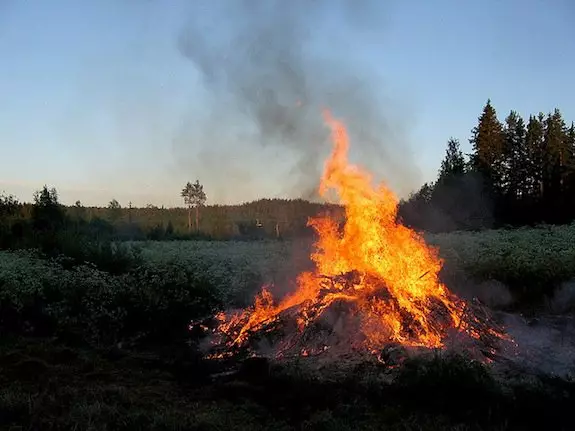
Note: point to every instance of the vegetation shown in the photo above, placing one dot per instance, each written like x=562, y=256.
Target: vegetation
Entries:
x=519, y=173
x=266, y=218
x=194, y=197
x=86, y=348
x=95, y=303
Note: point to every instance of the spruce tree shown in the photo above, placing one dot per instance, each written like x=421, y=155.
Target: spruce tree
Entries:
x=569, y=190
x=488, y=146
x=554, y=160
x=516, y=156
x=534, y=146
x=446, y=193
x=453, y=164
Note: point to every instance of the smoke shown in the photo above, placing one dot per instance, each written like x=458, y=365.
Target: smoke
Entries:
x=268, y=68
x=544, y=344
x=440, y=210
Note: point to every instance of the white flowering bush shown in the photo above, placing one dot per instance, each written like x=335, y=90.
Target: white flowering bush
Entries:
x=40, y=294
x=43, y=297
x=529, y=261
x=173, y=282
x=237, y=269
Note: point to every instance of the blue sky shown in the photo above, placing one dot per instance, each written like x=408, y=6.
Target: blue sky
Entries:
x=93, y=94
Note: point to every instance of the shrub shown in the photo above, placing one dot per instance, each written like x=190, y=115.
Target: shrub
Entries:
x=104, y=254
x=45, y=297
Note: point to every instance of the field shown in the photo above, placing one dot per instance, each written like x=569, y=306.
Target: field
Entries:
x=86, y=348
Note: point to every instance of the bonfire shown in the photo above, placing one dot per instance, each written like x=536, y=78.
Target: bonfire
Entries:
x=375, y=284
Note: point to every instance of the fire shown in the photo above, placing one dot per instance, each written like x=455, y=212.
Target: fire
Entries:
x=381, y=272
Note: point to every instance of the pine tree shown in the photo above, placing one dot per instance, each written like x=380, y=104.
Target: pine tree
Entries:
x=488, y=146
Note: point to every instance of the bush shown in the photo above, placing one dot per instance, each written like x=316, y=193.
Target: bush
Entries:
x=160, y=303
x=106, y=255
x=47, y=297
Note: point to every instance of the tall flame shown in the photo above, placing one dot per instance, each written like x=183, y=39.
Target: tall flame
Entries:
x=390, y=275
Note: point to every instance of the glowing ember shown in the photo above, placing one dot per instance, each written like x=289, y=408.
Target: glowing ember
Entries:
x=375, y=281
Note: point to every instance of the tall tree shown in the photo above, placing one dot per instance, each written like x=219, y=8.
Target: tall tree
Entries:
x=516, y=156
x=453, y=164
x=194, y=197
x=444, y=193
x=488, y=146
x=554, y=161
x=48, y=219
x=535, y=151
x=570, y=171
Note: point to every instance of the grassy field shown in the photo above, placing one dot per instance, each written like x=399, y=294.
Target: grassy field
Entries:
x=83, y=348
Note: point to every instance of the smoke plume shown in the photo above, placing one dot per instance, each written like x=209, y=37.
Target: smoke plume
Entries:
x=268, y=68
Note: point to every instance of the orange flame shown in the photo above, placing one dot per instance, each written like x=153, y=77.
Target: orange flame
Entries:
x=396, y=292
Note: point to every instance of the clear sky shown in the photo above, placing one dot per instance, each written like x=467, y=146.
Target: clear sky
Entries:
x=93, y=93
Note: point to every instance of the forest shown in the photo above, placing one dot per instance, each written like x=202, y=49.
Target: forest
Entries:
x=519, y=173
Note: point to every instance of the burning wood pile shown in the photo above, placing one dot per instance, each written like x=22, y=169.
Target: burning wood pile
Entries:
x=375, y=288
x=334, y=323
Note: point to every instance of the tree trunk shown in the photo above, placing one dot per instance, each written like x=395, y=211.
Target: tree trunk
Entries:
x=189, y=220
x=197, y=219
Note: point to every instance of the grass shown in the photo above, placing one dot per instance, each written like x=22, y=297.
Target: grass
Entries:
x=95, y=344
x=46, y=385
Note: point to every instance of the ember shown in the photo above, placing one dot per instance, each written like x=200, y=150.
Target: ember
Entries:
x=375, y=284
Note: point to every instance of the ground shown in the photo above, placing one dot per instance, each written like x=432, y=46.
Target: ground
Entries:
x=82, y=348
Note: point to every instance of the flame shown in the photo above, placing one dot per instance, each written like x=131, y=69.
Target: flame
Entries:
x=383, y=270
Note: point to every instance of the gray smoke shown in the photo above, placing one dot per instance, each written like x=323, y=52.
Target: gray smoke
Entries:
x=267, y=81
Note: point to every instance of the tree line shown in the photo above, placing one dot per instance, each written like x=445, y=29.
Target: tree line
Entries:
x=47, y=224
x=520, y=172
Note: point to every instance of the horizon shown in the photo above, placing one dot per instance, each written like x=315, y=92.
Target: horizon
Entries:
x=180, y=206
x=101, y=102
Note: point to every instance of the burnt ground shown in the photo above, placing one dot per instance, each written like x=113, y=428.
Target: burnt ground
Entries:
x=48, y=384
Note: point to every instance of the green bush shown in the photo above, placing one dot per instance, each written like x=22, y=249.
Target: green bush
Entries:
x=104, y=254
x=46, y=297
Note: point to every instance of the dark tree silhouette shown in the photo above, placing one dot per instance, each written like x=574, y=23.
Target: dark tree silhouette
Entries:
x=535, y=151
x=488, y=146
x=517, y=174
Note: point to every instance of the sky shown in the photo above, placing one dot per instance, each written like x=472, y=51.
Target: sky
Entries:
x=98, y=100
